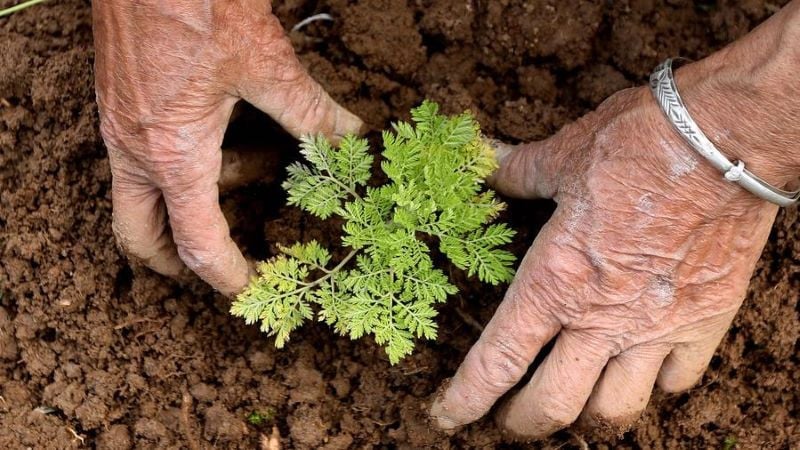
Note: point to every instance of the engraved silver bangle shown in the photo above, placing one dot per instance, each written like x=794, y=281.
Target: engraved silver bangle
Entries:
x=662, y=84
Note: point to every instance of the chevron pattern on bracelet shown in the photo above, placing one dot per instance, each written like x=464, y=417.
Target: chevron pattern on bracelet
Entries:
x=664, y=89
x=662, y=83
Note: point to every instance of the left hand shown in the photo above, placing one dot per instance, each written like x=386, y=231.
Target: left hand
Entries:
x=638, y=273
x=647, y=258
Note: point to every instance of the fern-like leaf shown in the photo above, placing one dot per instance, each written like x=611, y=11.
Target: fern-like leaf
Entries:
x=387, y=286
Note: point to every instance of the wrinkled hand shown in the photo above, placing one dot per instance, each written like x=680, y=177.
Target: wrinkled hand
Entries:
x=637, y=275
x=167, y=76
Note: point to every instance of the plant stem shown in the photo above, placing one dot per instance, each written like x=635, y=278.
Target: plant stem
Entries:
x=19, y=7
x=338, y=267
x=320, y=280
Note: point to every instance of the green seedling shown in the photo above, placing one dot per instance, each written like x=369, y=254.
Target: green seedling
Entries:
x=729, y=443
x=258, y=418
x=387, y=284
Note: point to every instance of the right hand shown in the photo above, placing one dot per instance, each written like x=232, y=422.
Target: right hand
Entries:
x=167, y=77
x=636, y=277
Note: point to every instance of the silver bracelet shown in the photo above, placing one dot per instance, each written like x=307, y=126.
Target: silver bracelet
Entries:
x=662, y=84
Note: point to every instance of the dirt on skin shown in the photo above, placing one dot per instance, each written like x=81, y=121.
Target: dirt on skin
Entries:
x=96, y=354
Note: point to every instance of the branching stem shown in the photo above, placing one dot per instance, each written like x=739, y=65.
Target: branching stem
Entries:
x=435, y=171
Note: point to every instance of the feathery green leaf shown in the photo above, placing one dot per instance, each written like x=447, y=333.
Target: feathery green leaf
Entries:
x=387, y=286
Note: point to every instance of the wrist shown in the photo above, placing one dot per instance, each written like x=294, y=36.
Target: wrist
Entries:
x=744, y=98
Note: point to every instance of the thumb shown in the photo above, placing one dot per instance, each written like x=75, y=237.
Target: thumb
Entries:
x=275, y=81
x=532, y=170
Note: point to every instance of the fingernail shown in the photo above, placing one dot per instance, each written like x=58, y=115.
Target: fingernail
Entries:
x=501, y=150
x=346, y=123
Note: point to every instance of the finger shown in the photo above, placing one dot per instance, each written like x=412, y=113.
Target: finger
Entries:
x=559, y=388
x=199, y=229
x=140, y=223
x=684, y=366
x=243, y=166
x=624, y=389
x=530, y=170
x=497, y=362
x=521, y=326
x=275, y=82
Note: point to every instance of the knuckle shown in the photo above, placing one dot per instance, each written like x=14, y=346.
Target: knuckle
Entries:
x=310, y=110
x=199, y=260
x=558, y=414
x=503, y=365
x=185, y=178
x=109, y=131
x=185, y=184
x=274, y=47
x=315, y=108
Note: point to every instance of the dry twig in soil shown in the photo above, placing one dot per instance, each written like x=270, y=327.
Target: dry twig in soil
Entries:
x=186, y=410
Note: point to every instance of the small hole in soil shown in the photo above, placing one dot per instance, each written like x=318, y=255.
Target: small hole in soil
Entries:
x=744, y=407
x=749, y=347
x=48, y=334
x=434, y=43
x=252, y=130
x=682, y=400
x=123, y=283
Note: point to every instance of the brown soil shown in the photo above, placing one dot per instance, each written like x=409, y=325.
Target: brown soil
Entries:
x=93, y=353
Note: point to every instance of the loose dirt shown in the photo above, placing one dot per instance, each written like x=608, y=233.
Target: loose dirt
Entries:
x=96, y=354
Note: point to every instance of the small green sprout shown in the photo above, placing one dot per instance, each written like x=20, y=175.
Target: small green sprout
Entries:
x=387, y=285
x=258, y=418
x=729, y=443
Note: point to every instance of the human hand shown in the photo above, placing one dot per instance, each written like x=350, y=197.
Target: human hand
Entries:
x=167, y=77
x=647, y=258
x=639, y=272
